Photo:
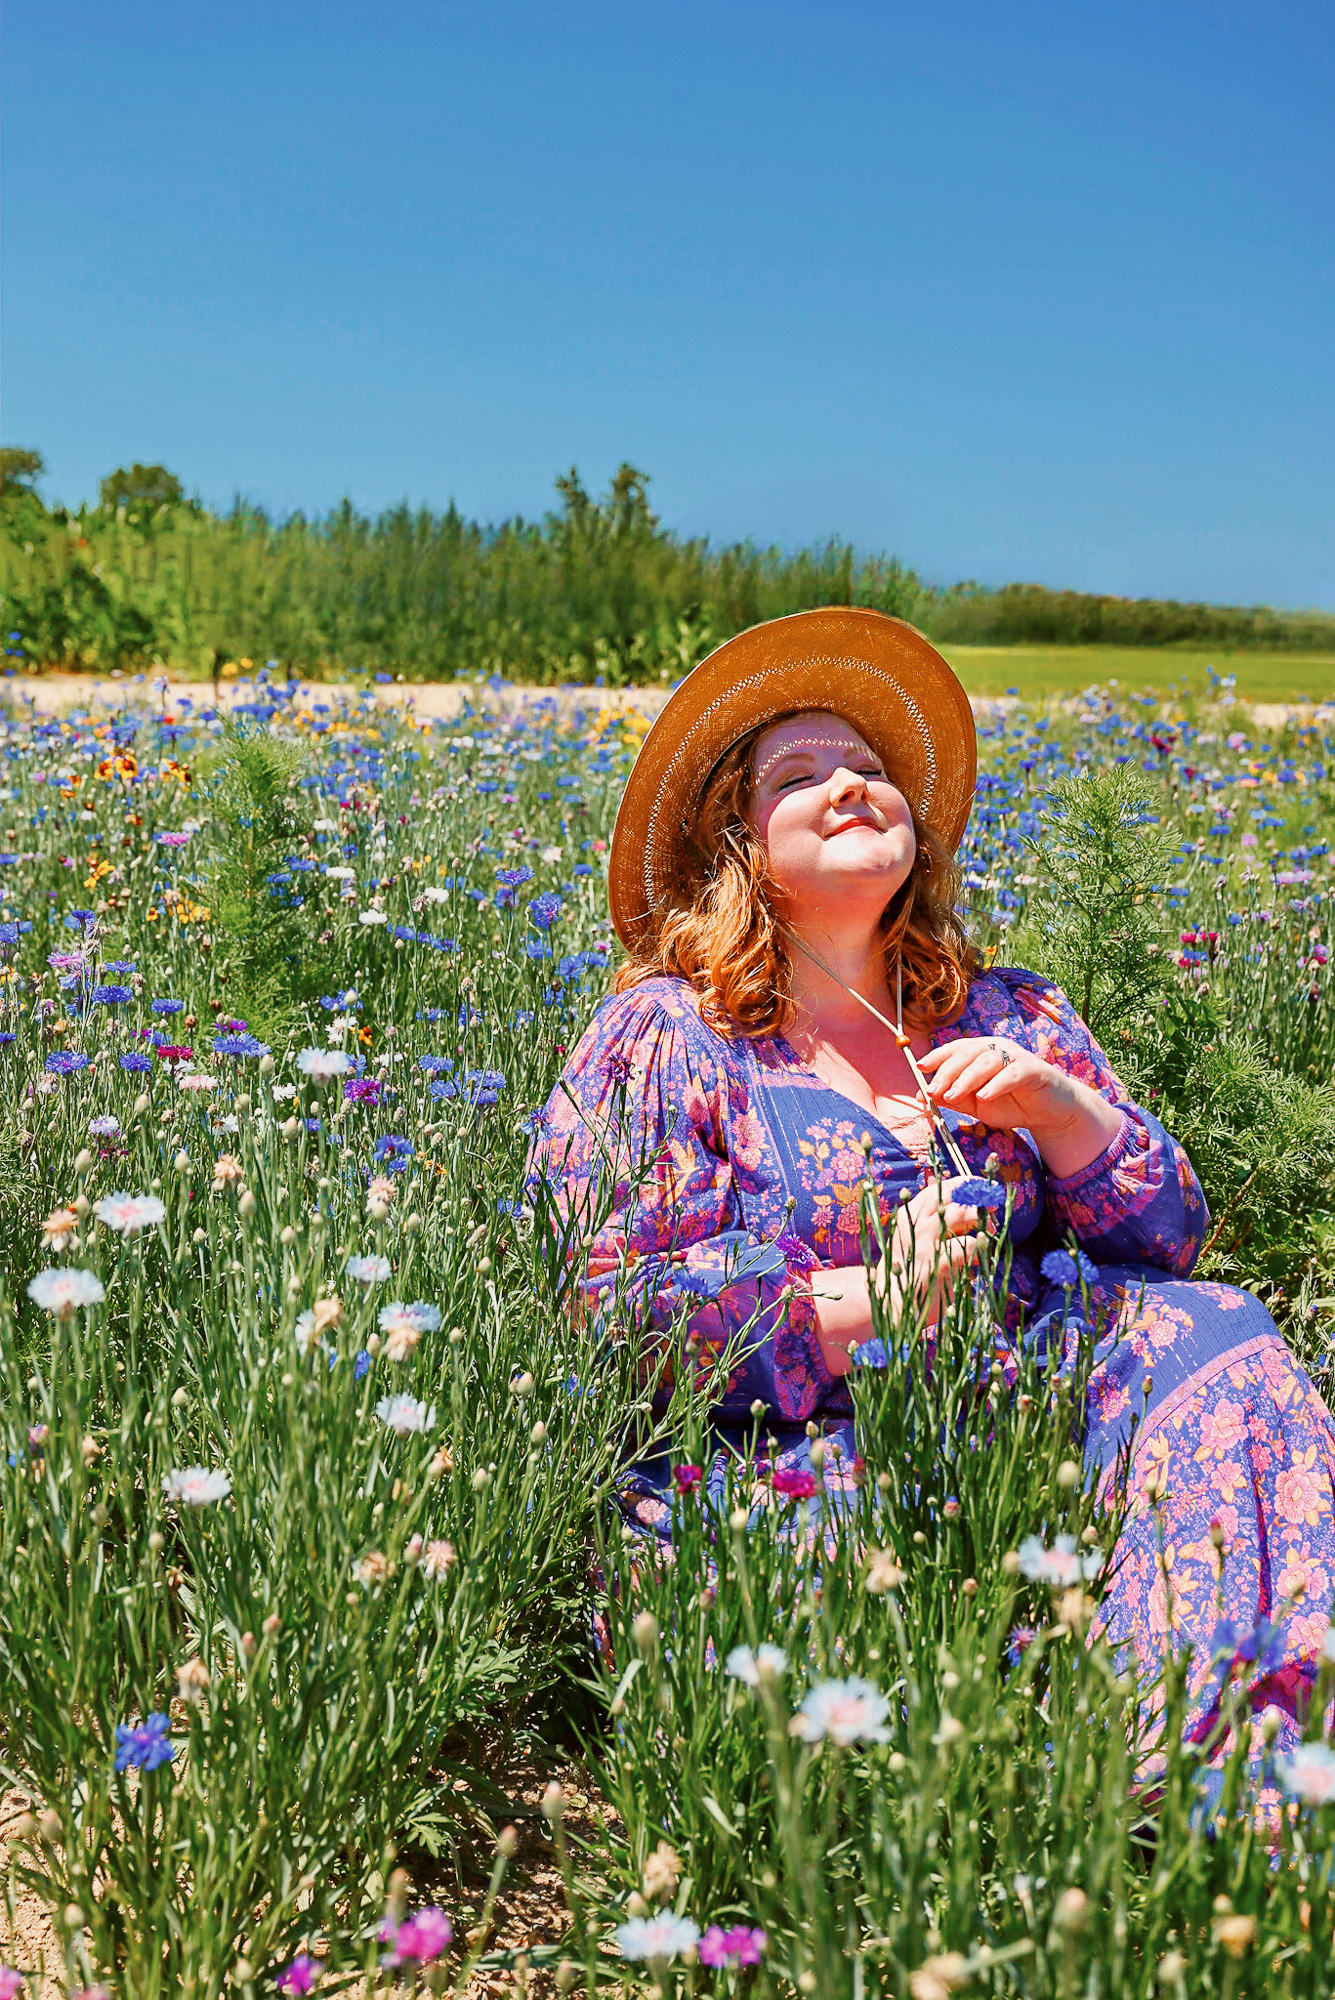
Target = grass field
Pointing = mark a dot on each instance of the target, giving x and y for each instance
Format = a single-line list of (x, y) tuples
[(1039, 672), (307, 1464)]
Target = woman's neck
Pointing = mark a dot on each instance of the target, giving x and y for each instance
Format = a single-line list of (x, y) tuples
[(838, 961)]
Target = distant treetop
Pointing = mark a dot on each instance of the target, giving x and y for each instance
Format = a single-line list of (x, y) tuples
[(20, 467), (141, 482)]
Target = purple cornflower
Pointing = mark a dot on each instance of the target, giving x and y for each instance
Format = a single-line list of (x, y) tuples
[(687, 1477), (146, 1744), (362, 1090), (300, 1975), (732, 1948)]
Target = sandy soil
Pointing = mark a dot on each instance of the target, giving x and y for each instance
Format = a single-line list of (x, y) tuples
[(530, 1910)]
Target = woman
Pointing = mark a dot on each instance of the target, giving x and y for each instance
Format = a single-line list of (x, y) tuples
[(798, 989)]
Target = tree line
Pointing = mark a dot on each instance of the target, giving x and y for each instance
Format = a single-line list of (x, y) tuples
[(596, 587)]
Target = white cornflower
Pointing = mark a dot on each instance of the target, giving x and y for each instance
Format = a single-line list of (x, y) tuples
[(767, 1660), (282, 1092), (196, 1080), (437, 1558), (128, 1213), (851, 1711), (322, 1064), (61, 1292), (405, 1414), (1061, 1566), (372, 917), (368, 1270), (195, 1485), (435, 895), (660, 1937), (341, 874), (1309, 1773)]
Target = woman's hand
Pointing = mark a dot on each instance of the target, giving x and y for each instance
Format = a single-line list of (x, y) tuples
[(1003, 1086), (933, 1239)]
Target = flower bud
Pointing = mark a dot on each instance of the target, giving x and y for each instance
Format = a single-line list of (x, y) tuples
[(539, 1433), (266, 1065), (1072, 1910), (522, 1386), (73, 1917), (1068, 1474), (82, 1161), (553, 1801), (141, 1102), (181, 1161), (90, 1451), (644, 1631), (507, 1840), (157, 1542), (271, 1624), (180, 1399), (567, 1976), (81, 1205), (287, 1235), (50, 1825)]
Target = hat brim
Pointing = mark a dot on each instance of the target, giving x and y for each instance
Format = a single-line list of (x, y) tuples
[(872, 671)]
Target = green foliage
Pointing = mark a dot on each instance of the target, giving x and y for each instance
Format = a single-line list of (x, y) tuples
[(1097, 932), (596, 588), (151, 485), (258, 817), (20, 467)]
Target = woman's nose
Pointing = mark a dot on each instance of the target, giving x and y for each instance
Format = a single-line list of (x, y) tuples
[(844, 783)]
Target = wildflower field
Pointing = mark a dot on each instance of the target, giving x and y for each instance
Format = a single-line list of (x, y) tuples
[(308, 1468)]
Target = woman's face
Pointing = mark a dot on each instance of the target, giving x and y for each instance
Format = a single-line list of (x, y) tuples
[(838, 835)]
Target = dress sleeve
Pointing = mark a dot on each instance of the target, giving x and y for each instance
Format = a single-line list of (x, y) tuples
[(1139, 1202), (643, 1141)]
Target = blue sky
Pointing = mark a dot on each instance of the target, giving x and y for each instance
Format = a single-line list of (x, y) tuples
[(1037, 292)]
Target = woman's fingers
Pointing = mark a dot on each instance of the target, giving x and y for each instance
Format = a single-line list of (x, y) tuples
[(983, 1067)]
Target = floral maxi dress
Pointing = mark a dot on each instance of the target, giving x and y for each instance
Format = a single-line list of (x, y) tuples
[(734, 1130)]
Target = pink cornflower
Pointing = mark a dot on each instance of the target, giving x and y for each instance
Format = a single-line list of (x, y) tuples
[(794, 1484), (300, 1975), (687, 1477), (731, 1948), (420, 1938)]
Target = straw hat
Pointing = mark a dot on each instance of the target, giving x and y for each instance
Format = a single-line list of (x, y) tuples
[(874, 672)]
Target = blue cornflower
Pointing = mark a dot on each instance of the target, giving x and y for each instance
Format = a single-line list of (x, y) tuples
[(484, 1086), (166, 1006), (1062, 1267), (146, 1744), (119, 965), (239, 1045), (132, 1060), (361, 1364), (514, 878), (6, 1038), (393, 1151), (543, 910), (978, 1193), (78, 920), (435, 1065), (536, 948), (110, 996), (64, 1062), (444, 1087), (9, 933)]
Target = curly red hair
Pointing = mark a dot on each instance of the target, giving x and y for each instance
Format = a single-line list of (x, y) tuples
[(723, 935)]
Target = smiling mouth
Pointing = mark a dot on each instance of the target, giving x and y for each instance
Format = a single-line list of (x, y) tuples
[(854, 825)]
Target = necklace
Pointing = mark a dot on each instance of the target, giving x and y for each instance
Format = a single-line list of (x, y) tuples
[(940, 1129)]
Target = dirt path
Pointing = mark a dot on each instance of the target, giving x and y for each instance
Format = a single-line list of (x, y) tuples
[(57, 693)]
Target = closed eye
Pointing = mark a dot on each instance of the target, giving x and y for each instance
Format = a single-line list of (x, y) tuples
[(805, 777)]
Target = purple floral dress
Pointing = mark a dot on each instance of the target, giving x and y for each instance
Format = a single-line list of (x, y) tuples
[(740, 1173)]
